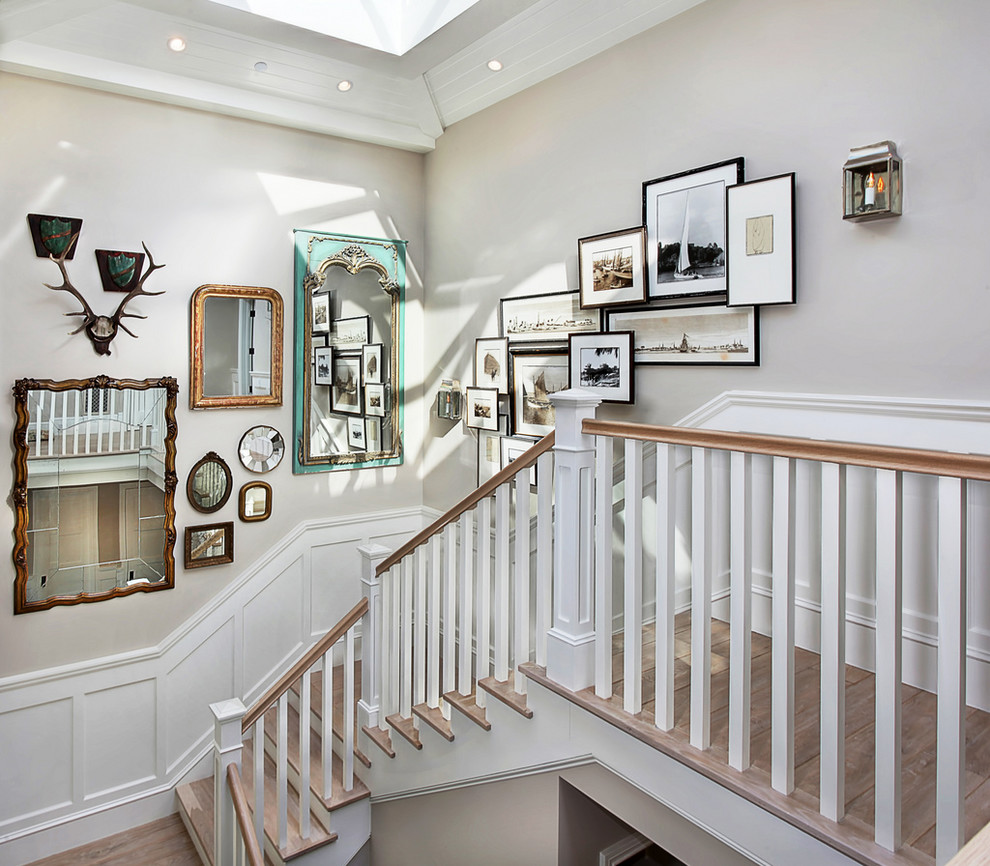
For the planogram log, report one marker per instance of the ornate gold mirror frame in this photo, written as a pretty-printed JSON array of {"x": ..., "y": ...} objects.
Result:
[
  {"x": 202, "y": 344},
  {"x": 114, "y": 440}
]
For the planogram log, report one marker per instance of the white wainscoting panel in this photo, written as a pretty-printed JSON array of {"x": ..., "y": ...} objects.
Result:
[
  {"x": 119, "y": 727},
  {"x": 274, "y": 622}
]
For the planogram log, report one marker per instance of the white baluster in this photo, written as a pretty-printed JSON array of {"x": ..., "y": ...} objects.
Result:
[
  {"x": 482, "y": 659},
  {"x": 603, "y": 566},
  {"x": 522, "y": 582},
  {"x": 544, "y": 553},
  {"x": 419, "y": 626},
  {"x": 665, "y": 585},
  {"x": 388, "y": 638},
  {"x": 39, "y": 424},
  {"x": 701, "y": 597},
  {"x": 77, "y": 394},
  {"x": 433, "y": 625},
  {"x": 887, "y": 817},
  {"x": 632, "y": 656},
  {"x": 327, "y": 734},
  {"x": 741, "y": 607},
  {"x": 449, "y": 612},
  {"x": 349, "y": 662},
  {"x": 950, "y": 824},
  {"x": 282, "y": 771},
  {"x": 466, "y": 589},
  {"x": 393, "y": 587},
  {"x": 406, "y": 658},
  {"x": 304, "y": 746},
  {"x": 259, "y": 781},
  {"x": 501, "y": 601},
  {"x": 782, "y": 565},
  {"x": 833, "y": 642}
]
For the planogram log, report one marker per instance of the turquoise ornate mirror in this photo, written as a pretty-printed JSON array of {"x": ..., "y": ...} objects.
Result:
[{"x": 347, "y": 411}]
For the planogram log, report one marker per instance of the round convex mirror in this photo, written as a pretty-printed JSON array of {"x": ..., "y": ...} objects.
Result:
[
  {"x": 261, "y": 448},
  {"x": 209, "y": 484}
]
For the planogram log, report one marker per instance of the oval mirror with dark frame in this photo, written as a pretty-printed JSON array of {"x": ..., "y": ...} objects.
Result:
[
  {"x": 236, "y": 347},
  {"x": 348, "y": 351},
  {"x": 209, "y": 483},
  {"x": 255, "y": 501},
  {"x": 94, "y": 489}
]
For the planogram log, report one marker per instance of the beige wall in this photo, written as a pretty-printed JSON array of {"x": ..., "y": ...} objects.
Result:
[
  {"x": 892, "y": 308},
  {"x": 216, "y": 200}
]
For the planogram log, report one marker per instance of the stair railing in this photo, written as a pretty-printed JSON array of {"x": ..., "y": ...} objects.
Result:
[
  {"x": 466, "y": 601},
  {"x": 703, "y": 502},
  {"x": 251, "y": 851},
  {"x": 233, "y": 723}
]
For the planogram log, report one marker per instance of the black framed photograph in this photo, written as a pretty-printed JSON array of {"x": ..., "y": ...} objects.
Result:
[
  {"x": 491, "y": 363},
  {"x": 482, "y": 408},
  {"x": 489, "y": 451},
  {"x": 536, "y": 374},
  {"x": 612, "y": 268},
  {"x": 684, "y": 215},
  {"x": 347, "y": 395},
  {"x": 603, "y": 364},
  {"x": 322, "y": 361},
  {"x": 371, "y": 362},
  {"x": 759, "y": 217},
  {"x": 355, "y": 434},
  {"x": 209, "y": 544},
  {"x": 513, "y": 448},
  {"x": 350, "y": 335},
  {"x": 700, "y": 334},
  {"x": 373, "y": 434},
  {"x": 321, "y": 314},
  {"x": 549, "y": 318},
  {"x": 374, "y": 399}
]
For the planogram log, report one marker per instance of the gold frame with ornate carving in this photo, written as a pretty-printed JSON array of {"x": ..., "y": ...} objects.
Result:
[
  {"x": 20, "y": 500},
  {"x": 197, "y": 399}
]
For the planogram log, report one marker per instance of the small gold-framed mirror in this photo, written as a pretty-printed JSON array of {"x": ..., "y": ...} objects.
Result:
[
  {"x": 94, "y": 489},
  {"x": 255, "y": 501},
  {"x": 236, "y": 347},
  {"x": 209, "y": 483}
]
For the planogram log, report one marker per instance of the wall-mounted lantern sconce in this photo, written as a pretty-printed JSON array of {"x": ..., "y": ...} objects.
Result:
[
  {"x": 449, "y": 400},
  {"x": 871, "y": 182}
]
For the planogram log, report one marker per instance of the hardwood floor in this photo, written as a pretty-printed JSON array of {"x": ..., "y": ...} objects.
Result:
[
  {"x": 161, "y": 843},
  {"x": 856, "y": 831}
]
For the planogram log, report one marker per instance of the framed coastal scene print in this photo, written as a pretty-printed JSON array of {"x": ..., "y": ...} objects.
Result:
[
  {"x": 491, "y": 363},
  {"x": 603, "y": 364},
  {"x": 760, "y": 217},
  {"x": 482, "y": 408},
  {"x": 684, "y": 215},
  {"x": 612, "y": 268},
  {"x": 536, "y": 375},
  {"x": 549, "y": 318},
  {"x": 711, "y": 334}
]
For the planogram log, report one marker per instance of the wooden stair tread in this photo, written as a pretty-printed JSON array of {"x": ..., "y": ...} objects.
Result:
[
  {"x": 196, "y": 807},
  {"x": 433, "y": 716},
  {"x": 466, "y": 704},
  {"x": 380, "y": 738},
  {"x": 406, "y": 728},
  {"x": 316, "y": 704},
  {"x": 505, "y": 692},
  {"x": 339, "y": 797}
]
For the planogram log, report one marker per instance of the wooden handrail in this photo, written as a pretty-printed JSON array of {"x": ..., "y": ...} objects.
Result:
[
  {"x": 953, "y": 465},
  {"x": 243, "y": 813},
  {"x": 304, "y": 664},
  {"x": 469, "y": 501}
]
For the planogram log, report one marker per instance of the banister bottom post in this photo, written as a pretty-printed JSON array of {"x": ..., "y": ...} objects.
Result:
[
  {"x": 227, "y": 744},
  {"x": 372, "y": 556}
]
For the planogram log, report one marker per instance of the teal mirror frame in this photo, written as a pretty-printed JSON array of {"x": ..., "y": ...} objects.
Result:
[{"x": 316, "y": 253}]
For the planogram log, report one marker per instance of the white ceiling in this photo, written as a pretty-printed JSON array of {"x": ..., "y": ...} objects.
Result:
[{"x": 402, "y": 97}]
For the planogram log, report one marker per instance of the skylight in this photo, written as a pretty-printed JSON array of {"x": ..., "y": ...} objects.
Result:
[{"x": 394, "y": 26}]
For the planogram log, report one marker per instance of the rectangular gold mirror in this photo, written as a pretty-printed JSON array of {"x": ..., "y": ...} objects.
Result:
[{"x": 236, "y": 347}]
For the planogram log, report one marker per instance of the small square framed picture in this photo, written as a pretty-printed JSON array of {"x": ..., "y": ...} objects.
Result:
[
  {"x": 322, "y": 360},
  {"x": 612, "y": 268},
  {"x": 760, "y": 241},
  {"x": 321, "y": 314},
  {"x": 482, "y": 408},
  {"x": 371, "y": 362},
  {"x": 374, "y": 399},
  {"x": 373, "y": 434},
  {"x": 603, "y": 364},
  {"x": 347, "y": 395},
  {"x": 356, "y": 434},
  {"x": 491, "y": 363}
]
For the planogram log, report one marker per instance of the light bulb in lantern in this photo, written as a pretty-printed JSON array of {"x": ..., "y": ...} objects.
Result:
[{"x": 870, "y": 194}]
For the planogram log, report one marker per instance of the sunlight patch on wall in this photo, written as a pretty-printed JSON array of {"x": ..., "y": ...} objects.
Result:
[
  {"x": 549, "y": 278},
  {"x": 295, "y": 194}
]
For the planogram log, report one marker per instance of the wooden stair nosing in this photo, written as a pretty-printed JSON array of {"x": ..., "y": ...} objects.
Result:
[
  {"x": 406, "y": 728},
  {"x": 316, "y": 709},
  {"x": 505, "y": 692},
  {"x": 380, "y": 738},
  {"x": 433, "y": 716},
  {"x": 466, "y": 704}
]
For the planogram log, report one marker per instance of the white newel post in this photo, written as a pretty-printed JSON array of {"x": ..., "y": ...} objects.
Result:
[
  {"x": 372, "y": 556},
  {"x": 227, "y": 740},
  {"x": 571, "y": 639}
]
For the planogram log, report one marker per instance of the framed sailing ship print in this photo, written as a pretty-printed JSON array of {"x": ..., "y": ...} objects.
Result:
[
  {"x": 612, "y": 268},
  {"x": 536, "y": 374},
  {"x": 684, "y": 215},
  {"x": 549, "y": 318}
]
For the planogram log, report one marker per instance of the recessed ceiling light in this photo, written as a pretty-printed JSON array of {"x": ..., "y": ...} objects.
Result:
[
  {"x": 177, "y": 43},
  {"x": 261, "y": 66},
  {"x": 495, "y": 65},
  {"x": 345, "y": 85}
]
